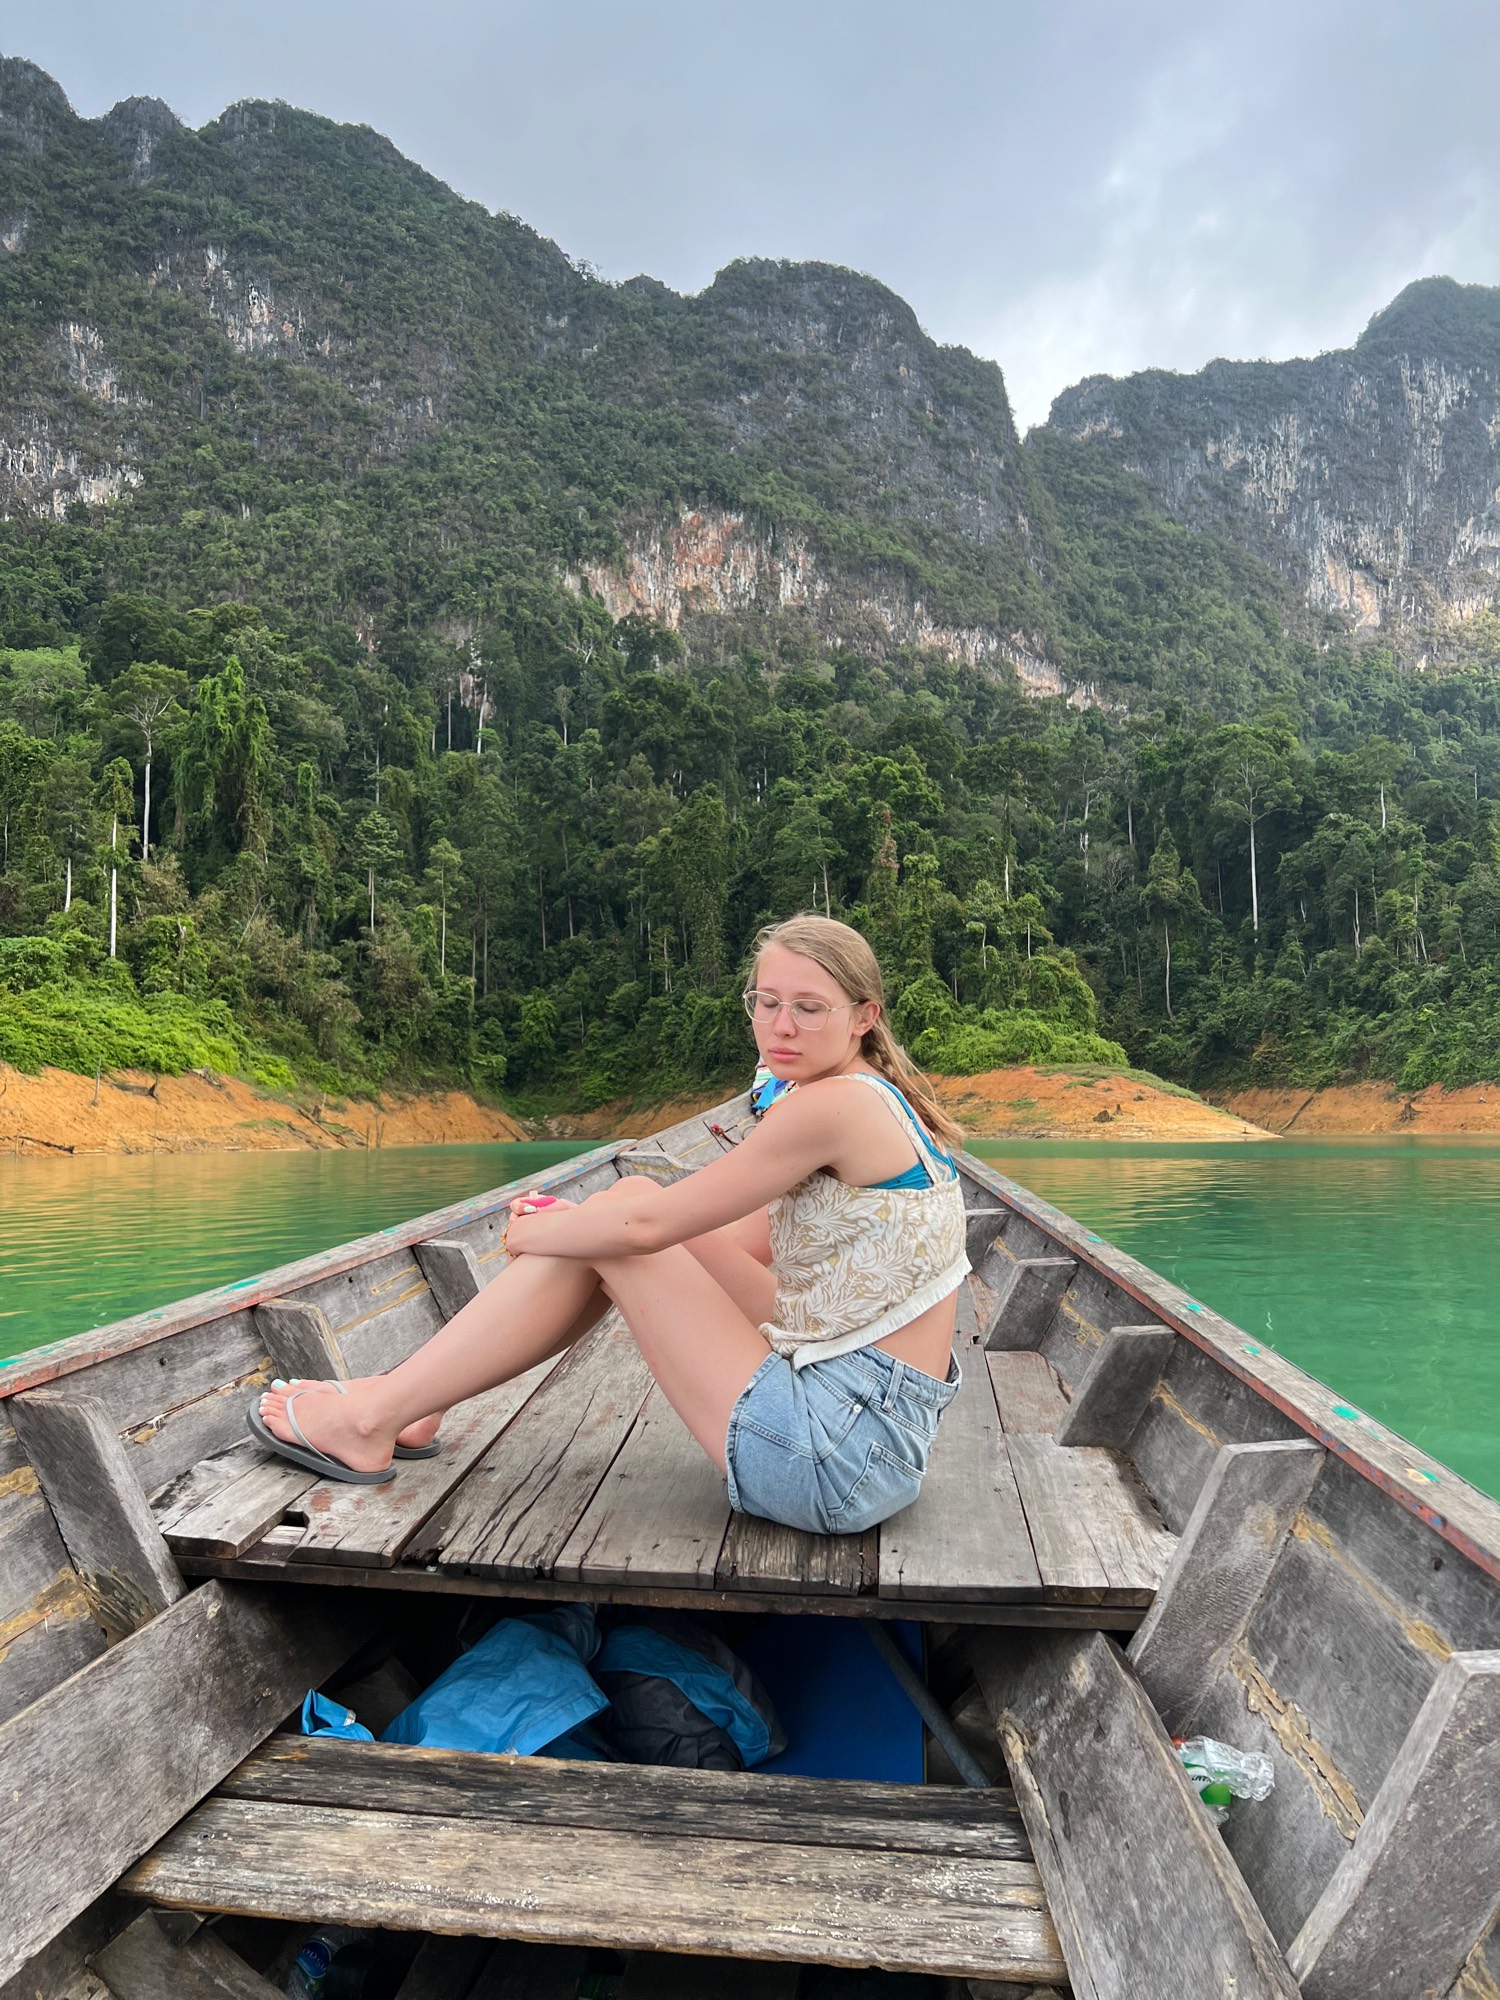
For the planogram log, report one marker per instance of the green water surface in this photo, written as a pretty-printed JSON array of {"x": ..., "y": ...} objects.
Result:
[{"x": 1373, "y": 1263}]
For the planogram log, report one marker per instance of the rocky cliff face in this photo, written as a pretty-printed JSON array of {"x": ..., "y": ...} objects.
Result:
[
  {"x": 710, "y": 562},
  {"x": 1371, "y": 475}
]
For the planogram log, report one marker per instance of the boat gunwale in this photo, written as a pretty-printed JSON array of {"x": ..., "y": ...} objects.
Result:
[{"x": 1378, "y": 1453}]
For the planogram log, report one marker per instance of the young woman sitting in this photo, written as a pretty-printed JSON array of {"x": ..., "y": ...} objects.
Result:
[{"x": 794, "y": 1299}]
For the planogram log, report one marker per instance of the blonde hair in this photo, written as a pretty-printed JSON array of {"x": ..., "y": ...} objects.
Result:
[{"x": 845, "y": 956}]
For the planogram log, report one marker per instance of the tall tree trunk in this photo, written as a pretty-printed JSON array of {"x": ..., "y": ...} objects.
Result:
[
  {"x": 1254, "y": 885},
  {"x": 1167, "y": 935},
  {"x": 68, "y": 891},
  {"x": 146, "y": 815},
  {"x": 114, "y": 886}
]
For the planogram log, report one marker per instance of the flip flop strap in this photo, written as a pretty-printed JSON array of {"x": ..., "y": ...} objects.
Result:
[{"x": 301, "y": 1435}]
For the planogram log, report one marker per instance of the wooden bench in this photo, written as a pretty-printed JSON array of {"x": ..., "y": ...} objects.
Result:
[{"x": 905, "y": 1877}]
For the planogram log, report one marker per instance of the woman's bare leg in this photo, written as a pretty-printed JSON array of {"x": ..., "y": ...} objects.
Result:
[
  {"x": 694, "y": 1310},
  {"x": 534, "y": 1308}
]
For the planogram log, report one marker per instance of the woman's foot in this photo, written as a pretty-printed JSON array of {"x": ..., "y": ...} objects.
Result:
[
  {"x": 415, "y": 1437},
  {"x": 346, "y": 1427}
]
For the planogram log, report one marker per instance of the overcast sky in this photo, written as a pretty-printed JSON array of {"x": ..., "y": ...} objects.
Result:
[{"x": 1068, "y": 186}]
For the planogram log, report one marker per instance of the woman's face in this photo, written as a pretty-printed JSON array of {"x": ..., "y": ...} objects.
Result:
[{"x": 791, "y": 1045}]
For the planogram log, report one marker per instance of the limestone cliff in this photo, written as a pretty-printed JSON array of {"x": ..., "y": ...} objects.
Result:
[{"x": 1371, "y": 474}]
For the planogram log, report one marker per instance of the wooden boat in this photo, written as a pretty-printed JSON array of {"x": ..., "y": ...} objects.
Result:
[{"x": 1138, "y": 1523}]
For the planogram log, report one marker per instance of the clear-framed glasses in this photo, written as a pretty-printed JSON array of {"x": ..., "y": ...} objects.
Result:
[{"x": 809, "y": 1015}]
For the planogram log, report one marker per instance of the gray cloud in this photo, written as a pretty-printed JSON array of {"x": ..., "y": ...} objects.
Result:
[{"x": 1069, "y": 186}]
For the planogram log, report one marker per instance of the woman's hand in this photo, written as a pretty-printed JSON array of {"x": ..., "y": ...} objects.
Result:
[{"x": 521, "y": 1206}]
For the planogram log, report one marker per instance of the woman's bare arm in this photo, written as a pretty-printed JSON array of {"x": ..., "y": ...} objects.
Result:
[{"x": 822, "y": 1125}]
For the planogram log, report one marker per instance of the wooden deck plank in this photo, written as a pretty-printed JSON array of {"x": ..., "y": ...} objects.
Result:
[
  {"x": 143, "y": 1963},
  {"x": 514, "y": 1513},
  {"x": 660, "y": 1514},
  {"x": 1027, "y": 1392},
  {"x": 965, "y": 1535},
  {"x": 642, "y": 1798},
  {"x": 762, "y": 1555},
  {"x": 1097, "y": 1537},
  {"x": 99, "y": 1768},
  {"x": 370, "y": 1526},
  {"x": 223, "y": 1506},
  {"x": 944, "y": 1914}
]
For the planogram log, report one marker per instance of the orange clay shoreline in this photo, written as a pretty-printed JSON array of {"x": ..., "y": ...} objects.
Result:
[{"x": 58, "y": 1112}]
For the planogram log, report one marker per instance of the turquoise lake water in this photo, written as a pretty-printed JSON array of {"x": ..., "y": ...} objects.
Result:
[{"x": 1373, "y": 1263}]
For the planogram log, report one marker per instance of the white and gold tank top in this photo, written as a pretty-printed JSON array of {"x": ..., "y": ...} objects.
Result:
[{"x": 853, "y": 1264}]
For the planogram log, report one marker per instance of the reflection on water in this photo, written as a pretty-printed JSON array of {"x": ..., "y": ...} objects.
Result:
[
  {"x": 87, "y": 1241},
  {"x": 1373, "y": 1264}
]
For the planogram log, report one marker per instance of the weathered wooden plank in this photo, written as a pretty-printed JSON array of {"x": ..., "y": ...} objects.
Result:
[
  {"x": 183, "y": 1399},
  {"x": 452, "y": 1273},
  {"x": 1097, "y": 1537},
  {"x": 660, "y": 1514},
  {"x": 1228, "y": 1550},
  {"x": 762, "y": 1555},
  {"x": 1195, "y": 1410},
  {"x": 632, "y": 1798},
  {"x": 1026, "y": 1298},
  {"x": 1479, "y": 1980},
  {"x": 370, "y": 1526},
  {"x": 47, "y": 1626},
  {"x": 103, "y": 1765},
  {"x": 985, "y": 1224},
  {"x": 574, "y": 1885},
  {"x": 143, "y": 1963},
  {"x": 223, "y": 1506},
  {"x": 110, "y": 1532},
  {"x": 1344, "y": 1656},
  {"x": 300, "y": 1341},
  {"x": 1092, "y": 1304},
  {"x": 1112, "y": 1396},
  {"x": 655, "y": 1975},
  {"x": 965, "y": 1536},
  {"x": 445, "y": 1968},
  {"x": 517, "y": 1508},
  {"x": 1026, "y": 1392},
  {"x": 1421, "y": 1883},
  {"x": 1147, "y": 1904}
]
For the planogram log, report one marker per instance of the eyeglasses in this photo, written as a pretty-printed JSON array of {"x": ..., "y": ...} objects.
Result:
[{"x": 809, "y": 1015}]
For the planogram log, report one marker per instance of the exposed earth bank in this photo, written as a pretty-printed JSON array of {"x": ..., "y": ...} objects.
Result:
[
  {"x": 57, "y": 1111},
  {"x": 1354, "y": 1108},
  {"x": 1000, "y": 1104}
]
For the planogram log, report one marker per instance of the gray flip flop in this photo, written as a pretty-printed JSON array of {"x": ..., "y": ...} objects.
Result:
[
  {"x": 307, "y": 1454},
  {"x": 397, "y": 1450}
]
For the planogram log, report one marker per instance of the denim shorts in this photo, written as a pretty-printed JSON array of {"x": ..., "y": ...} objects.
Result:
[{"x": 837, "y": 1446}]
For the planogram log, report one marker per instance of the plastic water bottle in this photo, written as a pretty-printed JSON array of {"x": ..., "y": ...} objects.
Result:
[
  {"x": 1218, "y": 1773},
  {"x": 308, "y": 1977}
]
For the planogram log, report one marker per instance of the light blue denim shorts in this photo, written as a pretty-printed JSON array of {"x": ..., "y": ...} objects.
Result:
[{"x": 837, "y": 1446}]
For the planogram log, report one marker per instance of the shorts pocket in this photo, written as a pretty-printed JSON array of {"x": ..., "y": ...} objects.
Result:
[{"x": 884, "y": 1487}]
